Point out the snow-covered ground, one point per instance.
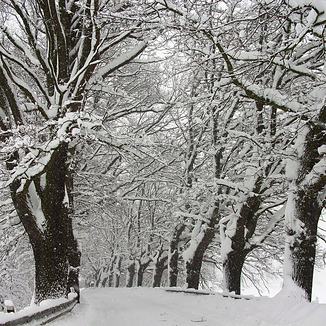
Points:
(275, 285)
(151, 307)
(30, 310)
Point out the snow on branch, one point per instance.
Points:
(259, 56)
(23, 65)
(316, 175)
(36, 160)
(197, 236)
(193, 17)
(119, 62)
(235, 186)
(273, 221)
(146, 199)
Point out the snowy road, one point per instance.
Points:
(155, 307)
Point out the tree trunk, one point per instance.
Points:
(51, 271)
(242, 225)
(140, 271)
(98, 277)
(159, 267)
(104, 280)
(73, 271)
(306, 174)
(117, 272)
(157, 278)
(108, 272)
(42, 206)
(131, 271)
(301, 245)
(244, 221)
(194, 263)
(74, 253)
(232, 268)
(111, 271)
(193, 268)
(140, 275)
(174, 255)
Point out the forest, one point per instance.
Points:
(175, 143)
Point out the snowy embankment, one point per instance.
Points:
(151, 307)
(39, 314)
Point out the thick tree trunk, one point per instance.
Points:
(193, 268)
(301, 245)
(117, 272)
(174, 255)
(111, 271)
(157, 277)
(108, 273)
(141, 270)
(306, 174)
(242, 225)
(140, 275)
(104, 278)
(51, 271)
(194, 263)
(158, 268)
(131, 271)
(42, 206)
(98, 277)
(232, 268)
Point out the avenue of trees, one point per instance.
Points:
(156, 142)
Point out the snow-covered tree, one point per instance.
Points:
(281, 64)
(52, 52)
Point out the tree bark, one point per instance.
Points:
(301, 251)
(131, 271)
(245, 226)
(108, 272)
(157, 278)
(117, 272)
(42, 206)
(74, 253)
(51, 271)
(232, 268)
(141, 268)
(193, 268)
(159, 267)
(193, 265)
(73, 271)
(98, 277)
(104, 280)
(174, 255)
(304, 205)
(111, 271)
(140, 273)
